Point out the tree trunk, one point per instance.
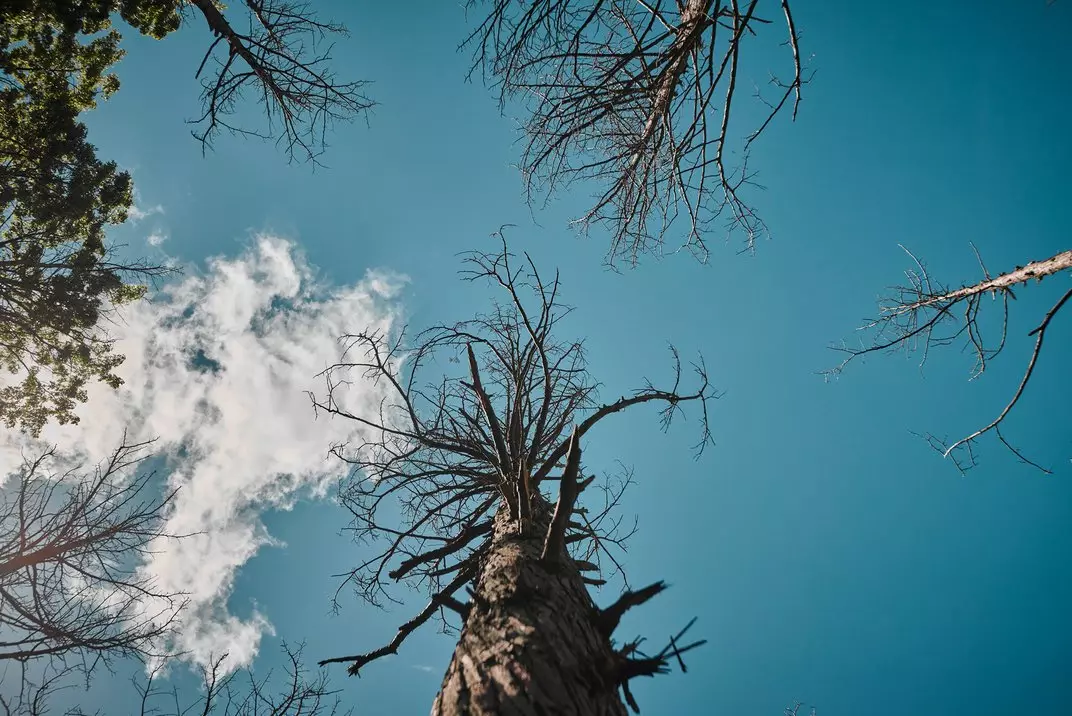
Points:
(530, 644)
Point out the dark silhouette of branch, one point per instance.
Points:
(637, 96)
(70, 550)
(438, 600)
(609, 617)
(918, 315)
(462, 539)
(636, 663)
(285, 57)
(224, 692)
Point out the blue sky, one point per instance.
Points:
(831, 556)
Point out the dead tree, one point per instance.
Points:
(243, 693)
(71, 593)
(281, 51)
(234, 693)
(636, 95)
(924, 314)
(453, 482)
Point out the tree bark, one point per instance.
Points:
(1037, 270)
(531, 643)
(690, 31)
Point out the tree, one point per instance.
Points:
(235, 693)
(925, 314)
(452, 481)
(56, 199)
(636, 96)
(71, 592)
(59, 280)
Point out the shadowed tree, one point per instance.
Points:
(637, 96)
(925, 314)
(71, 592)
(455, 483)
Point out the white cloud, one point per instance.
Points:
(156, 238)
(217, 368)
(136, 213)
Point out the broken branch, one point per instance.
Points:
(554, 544)
(609, 618)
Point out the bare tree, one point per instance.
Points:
(636, 95)
(71, 593)
(243, 693)
(240, 693)
(453, 483)
(284, 56)
(29, 694)
(924, 314)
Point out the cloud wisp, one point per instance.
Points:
(136, 213)
(217, 368)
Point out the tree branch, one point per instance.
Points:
(554, 543)
(918, 311)
(609, 618)
(438, 600)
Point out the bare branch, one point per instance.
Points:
(1039, 332)
(70, 551)
(609, 617)
(637, 96)
(917, 317)
(242, 693)
(285, 56)
(438, 600)
(636, 663)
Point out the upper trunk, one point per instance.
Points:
(1036, 270)
(530, 644)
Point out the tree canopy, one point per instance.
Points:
(57, 198)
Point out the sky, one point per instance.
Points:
(831, 556)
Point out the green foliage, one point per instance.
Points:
(57, 198)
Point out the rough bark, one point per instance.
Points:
(531, 643)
